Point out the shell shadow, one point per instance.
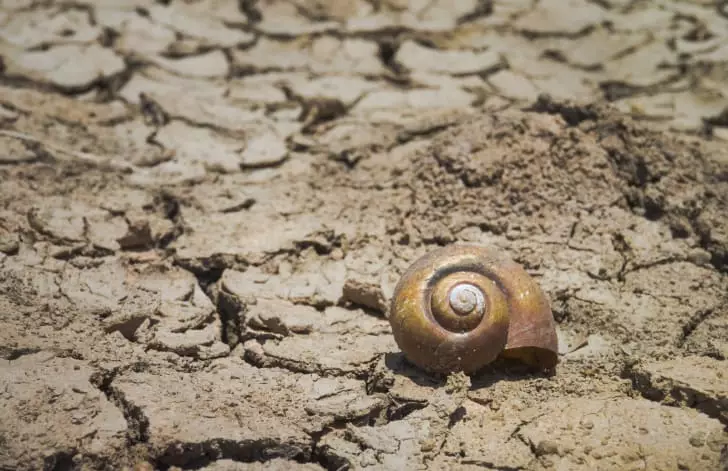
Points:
(398, 364)
(506, 369)
(502, 369)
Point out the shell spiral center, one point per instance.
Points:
(465, 298)
(459, 301)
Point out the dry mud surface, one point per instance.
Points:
(205, 205)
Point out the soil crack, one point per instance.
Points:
(188, 455)
(491, 465)
(674, 393)
(137, 422)
(692, 324)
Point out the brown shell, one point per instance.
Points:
(517, 321)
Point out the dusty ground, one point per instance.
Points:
(205, 205)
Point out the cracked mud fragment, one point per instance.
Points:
(555, 17)
(221, 402)
(209, 111)
(137, 34)
(425, 17)
(287, 20)
(14, 151)
(513, 85)
(336, 341)
(599, 47)
(169, 312)
(70, 66)
(648, 65)
(54, 416)
(200, 145)
(61, 108)
(265, 150)
(162, 309)
(416, 57)
(346, 89)
(223, 10)
(356, 138)
(364, 278)
(322, 55)
(583, 433)
(157, 83)
(71, 222)
(210, 65)
(209, 31)
(31, 29)
(707, 336)
(237, 235)
(426, 98)
(316, 283)
(466, 446)
(409, 443)
(694, 382)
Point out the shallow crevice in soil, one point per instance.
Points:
(60, 461)
(400, 410)
(9, 353)
(269, 361)
(388, 47)
(230, 311)
(327, 458)
(553, 34)
(572, 112)
(192, 456)
(692, 324)
(490, 465)
(137, 422)
(677, 395)
(172, 210)
(250, 8)
(483, 9)
(208, 268)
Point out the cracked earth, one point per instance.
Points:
(205, 206)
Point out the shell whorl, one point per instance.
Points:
(453, 309)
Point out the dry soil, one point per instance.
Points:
(205, 206)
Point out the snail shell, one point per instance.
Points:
(459, 307)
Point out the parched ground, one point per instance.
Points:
(205, 206)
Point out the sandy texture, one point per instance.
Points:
(205, 206)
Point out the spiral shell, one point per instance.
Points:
(459, 307)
